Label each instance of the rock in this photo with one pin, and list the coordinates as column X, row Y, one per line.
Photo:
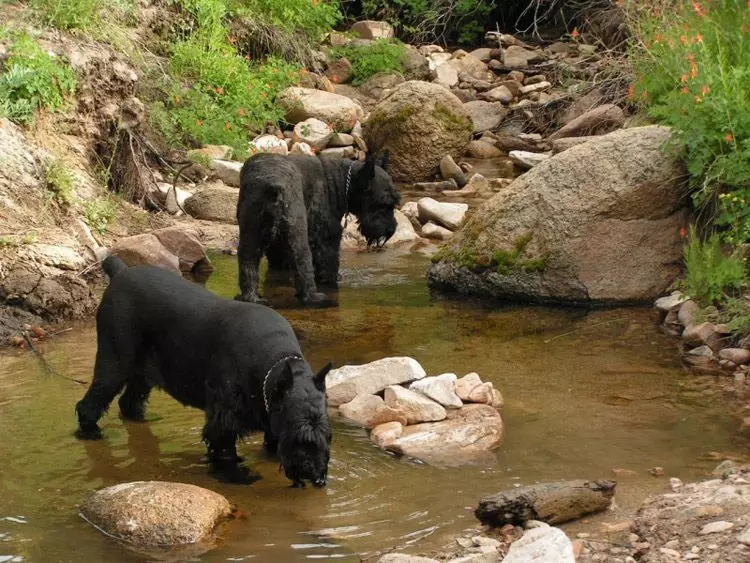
column 410, row 209
column 480, row 149
column 485, row 115
column 569, row 225
column 553, row 503
column 466, row 384
column 478, row 185
column 528, row 159
column 725, row 467
column 339, row 152
column 542, row 545
column 302, row 148
column 737, row 356
column 518, row 57
column 560, row 145
column 339, row 71
column 385, row 434
column 483, row 54
column 144, row 249
column 183, row 244
column 341, row 140
column 470, row 65
column 716, row 527
column 416, row 406
column 439, row 388
column 446, row 75
column 369, row 29
column 452, row 171
column 227, row 171
column 172, row 197
column 701, row 357
column 214, row 203
column 314, row 132
column 436, row 232
column 500, row 94
column 700, row 334
column 405, row 232
column 156, row 513
column 581, row 105
column 270, row 144
column 744, row 537
column 449, row 215
column 419, row 123
column 371, row 411
column 300, row 104
column 669, row 302
column 427, row 50
column 466, row 436
column 435, row 187
column 403, row 558
column 602, row 119
column 376, row 86
column 687, row 311
column 221, row 152
column 537, row 87
column 416, row 66
column 483, row 393
column 345, row 383
column 487, row 555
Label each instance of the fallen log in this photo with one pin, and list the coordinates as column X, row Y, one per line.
column 553, row 503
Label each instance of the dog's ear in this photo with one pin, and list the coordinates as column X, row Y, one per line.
column 284, row 383
column 368, row 170
column 320, row 378
column 383, row 160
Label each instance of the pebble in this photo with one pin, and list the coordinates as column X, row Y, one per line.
column 715, row 528
column 709, row 511
column 744, row 537
column 656, row 471
column 675, row 483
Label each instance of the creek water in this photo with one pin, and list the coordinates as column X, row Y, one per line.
column 585, row 392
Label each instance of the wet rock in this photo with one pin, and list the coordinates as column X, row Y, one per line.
column 701, row 357
column 314, row 132
column 433, row 231
column 449, row 215
column 702, row 334
column 385, row 434
column 737, row 356
column 345, row 383
column 435, row 187
column 466, row 436
column 452, row 171
column 528, row 159
column 603, row 119
column 419, row 123
column 669, row 302
column 185, row 245
column 415, row 406
column 227, row 171
column 371, row 411
column 576, row 216
column 439, row 388
column 485, row 115
column 542, row 545
column 155, row 513
column 553, row 503
column 480, row 149
column 368, row 29
column 303, row 103
column 478, row 185
column 214, row 203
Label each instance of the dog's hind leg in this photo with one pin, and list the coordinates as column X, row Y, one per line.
column 133, row 401
column 220, row 435
column 304, row 271
column 249, row 254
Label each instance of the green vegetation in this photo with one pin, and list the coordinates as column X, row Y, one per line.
column 712, row 277
column 67, row 14
column 313, row 18
column 60, row 180
column 427, row 21
column 99, row 212
column 33, row 79
column 501, row 261
column 367, row 60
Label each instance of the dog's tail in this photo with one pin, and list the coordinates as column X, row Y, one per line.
column 113, row 265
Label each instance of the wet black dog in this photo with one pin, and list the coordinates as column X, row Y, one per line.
column 239, row 362
column 290, row 209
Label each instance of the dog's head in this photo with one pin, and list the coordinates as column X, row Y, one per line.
column 373, row 200
column 299, row 419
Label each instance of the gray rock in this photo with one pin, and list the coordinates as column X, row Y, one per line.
column 716, row 527
column 528, row 159
column 433, row 231
column 214, row 203
column 403, row 558
column 446, row 75
column 368, row 29
column 313, row 132
column 480, row 149
column 228, row 171
column 485, row 115
column 415, row 406
column 499, row 94
column 602, row 119
column 452, row 171
column 371, row 411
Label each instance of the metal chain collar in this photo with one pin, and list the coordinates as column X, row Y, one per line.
column 346, row 193
column 268, row 373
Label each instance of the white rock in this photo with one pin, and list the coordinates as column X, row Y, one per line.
column 269, row 143
column 352, row 238
column 345, row 383
column 403, row 558
column 228, row 171
column 744, row 537
column 535, row 87
column 416, row 406
column 436, row 60
column 449, row 215
column 302, row 148
column 466, row 384
column 440, row 388
column 542, row 545
column 669, row 302
column 314, row 132
column 716, row 527
column 433, row 231
column 528, row 159
column 446, row 75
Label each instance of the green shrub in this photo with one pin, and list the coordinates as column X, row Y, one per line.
column 314, row 18
column 99, row 212
column 60, row 181
column 428, row 21
column 67, row 14
column 33, row 79
column 693, row 73
column 712, row 276
column 367, row 60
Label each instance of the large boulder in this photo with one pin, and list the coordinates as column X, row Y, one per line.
column 156, row 513
column 214, row 203
column 466, row 436
column 419, row 123
column 173, row 248
column 599, row 222
column 345, row 383
column 303, row 103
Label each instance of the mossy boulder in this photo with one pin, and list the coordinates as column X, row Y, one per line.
column 419, row 123
column 599, row 222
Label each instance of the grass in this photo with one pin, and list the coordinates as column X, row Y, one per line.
column 59, row 181
column 99, row 213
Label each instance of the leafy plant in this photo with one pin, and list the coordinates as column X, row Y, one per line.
column 67, row 14
column 693, row 74
column 712, row 276
column 60, row 180
column 367, row 60
column 33, row 79
column 314, row 18
column 99, row 213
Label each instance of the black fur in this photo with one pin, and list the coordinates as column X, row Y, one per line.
column 155, row 329
column 290, row 209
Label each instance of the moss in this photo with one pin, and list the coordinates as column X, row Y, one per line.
column 396, row 120
column 503, row 262
column 537, row 265
column 452, row 121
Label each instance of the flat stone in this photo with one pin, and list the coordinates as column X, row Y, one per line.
column 702, row 334
column 371, row 411
column 528, row 159
column 439, row 388
column 314, row 132
column 449, row 215
column 436, row 232
column 385, row 434
column 536, row 87
column 738, row 356
column 500, row 94
column 227, row 171
column 449, row 170
column 345, row 383
column 415, row 406
column 669, row 302
column 716, row 528
column 744, row 537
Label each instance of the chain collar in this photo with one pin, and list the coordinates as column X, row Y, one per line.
column 346, row 193
column 268, row 373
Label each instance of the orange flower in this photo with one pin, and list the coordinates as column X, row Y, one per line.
column 683, row 39
column 699, row 9
column 693, row 71
column 698, row 99
column 729, row 137
column 227, row 125
column 691, row 57
column 574, row 34
column 683, row 232
column 198, row 122
column 219, row 90
column 684, row 78
column 699, row 38
column 705, row 90
column 684, row 90
column 631, row 91
column 247, row 57
column 241, row 112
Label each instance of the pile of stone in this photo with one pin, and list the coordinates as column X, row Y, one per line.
column 444, row 420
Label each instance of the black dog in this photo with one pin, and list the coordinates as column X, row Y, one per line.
column 290, row 209
column 239, row 362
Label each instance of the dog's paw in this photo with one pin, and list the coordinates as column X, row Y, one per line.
column 317, row 299
column 89, row 433
column 251, row 298
column 233, row 474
